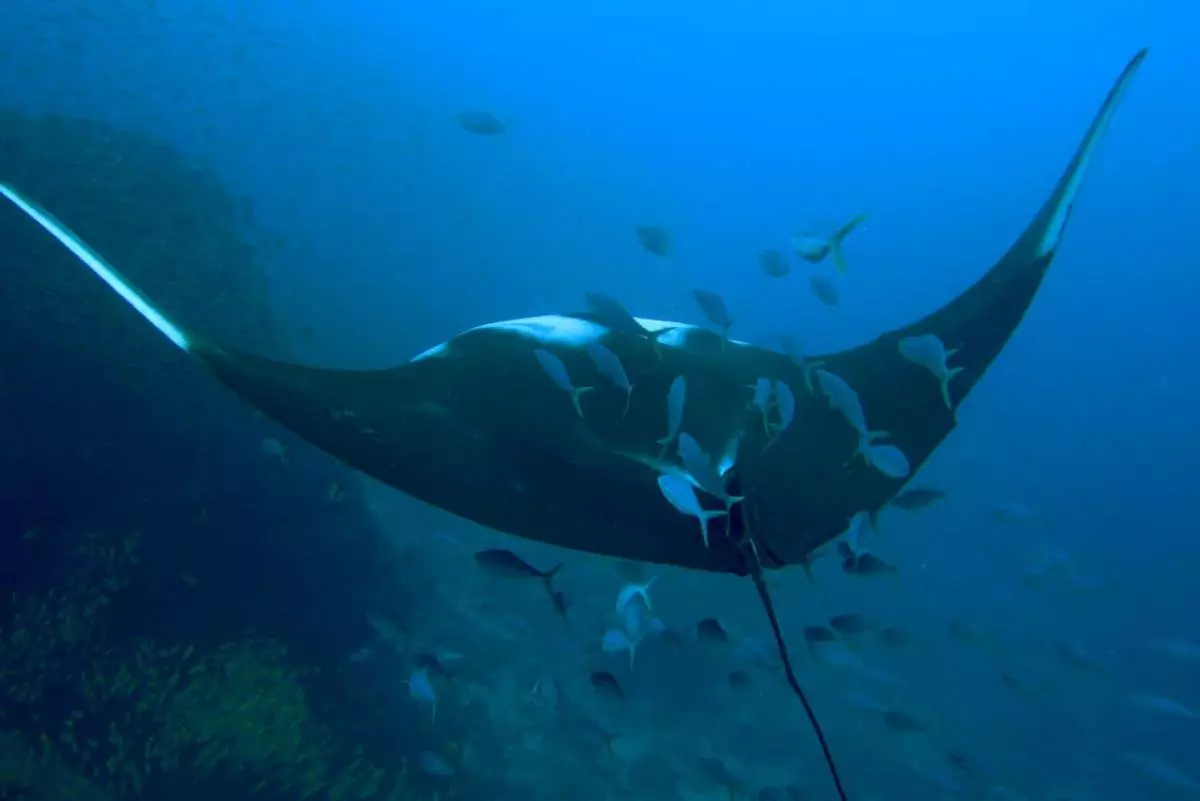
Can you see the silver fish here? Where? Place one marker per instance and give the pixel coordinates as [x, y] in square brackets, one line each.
[823, 289]
[421, 690]
[887, 459]
[1158, 768]
[631, 591]
[609, 365]
[654, 238]
[762, 400]
[714, 309]
[773, 263]
[928, 351]
[1163, 706]
[701, 469]
[675, 400]
[813, 248]
[843, 398]
[557, 372]
[434, 765]
[794, 350]
[481, 123]
[785, 405]
[682, 495]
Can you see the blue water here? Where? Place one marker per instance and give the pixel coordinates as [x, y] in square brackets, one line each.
[391, 229]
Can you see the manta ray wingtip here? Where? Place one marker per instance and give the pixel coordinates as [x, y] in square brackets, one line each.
[96, 263]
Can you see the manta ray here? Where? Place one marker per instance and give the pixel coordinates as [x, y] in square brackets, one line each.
[476, 427]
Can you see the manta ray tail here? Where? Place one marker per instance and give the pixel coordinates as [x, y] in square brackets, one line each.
[739, 530]
[96, 263]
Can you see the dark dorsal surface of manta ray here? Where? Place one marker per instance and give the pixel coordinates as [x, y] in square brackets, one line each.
[477, 427]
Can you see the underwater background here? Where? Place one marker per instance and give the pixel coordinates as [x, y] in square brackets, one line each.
[199, 605]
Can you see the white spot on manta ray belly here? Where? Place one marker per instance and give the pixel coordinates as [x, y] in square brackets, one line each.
[98, 265]
[572, 332]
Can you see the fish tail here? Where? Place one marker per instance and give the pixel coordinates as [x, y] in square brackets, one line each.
[953, 371]
[839, 258]
[576, 394]
[864, 441]
[548, 577]
[628, 400]
[839, 236]
[704, 518]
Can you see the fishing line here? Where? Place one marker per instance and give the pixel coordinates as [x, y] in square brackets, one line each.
[739, 528]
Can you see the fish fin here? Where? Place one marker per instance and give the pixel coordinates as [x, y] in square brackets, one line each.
[628, 400]
[808, 572]
[808, 369]
[839, 236]
[657, 346]
[864, 442]
[953, 371]
[873, 516]
[548, 577]
[576, 394]
[705, 516]
[839, 258]
[103, 270]
[632, 654]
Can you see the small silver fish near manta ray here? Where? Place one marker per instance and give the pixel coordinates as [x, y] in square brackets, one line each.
[590, 481]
